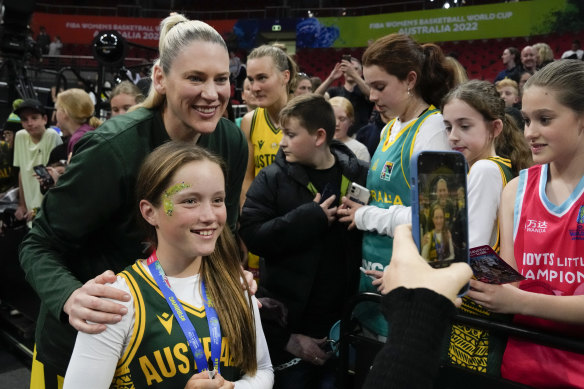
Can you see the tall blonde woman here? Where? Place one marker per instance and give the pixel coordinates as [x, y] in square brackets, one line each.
[271, 74]
[87, 231]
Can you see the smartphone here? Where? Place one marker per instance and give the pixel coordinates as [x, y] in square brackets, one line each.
[43, 173]
[439, 207]
[347, 57]
[359, 194]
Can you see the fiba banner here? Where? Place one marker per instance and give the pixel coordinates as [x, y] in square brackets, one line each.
[501, 20]
[83, 28]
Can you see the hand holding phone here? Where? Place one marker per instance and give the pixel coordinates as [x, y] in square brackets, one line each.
[45, 179]
[439, 223]
[359, 194]
[409, 270]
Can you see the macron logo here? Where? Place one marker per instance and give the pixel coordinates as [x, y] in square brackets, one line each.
[166, 321]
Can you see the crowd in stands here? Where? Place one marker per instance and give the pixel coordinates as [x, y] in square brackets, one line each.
[270, 191]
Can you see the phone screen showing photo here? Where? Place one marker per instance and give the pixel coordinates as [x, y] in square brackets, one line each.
[442, 207]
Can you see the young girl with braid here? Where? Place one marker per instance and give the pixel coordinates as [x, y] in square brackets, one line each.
[477, 126]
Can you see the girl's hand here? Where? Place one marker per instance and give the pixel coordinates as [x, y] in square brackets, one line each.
[426, 239]
[202, 381]
[496, 298]
[250, 281]
[346, 212]
[377, 277]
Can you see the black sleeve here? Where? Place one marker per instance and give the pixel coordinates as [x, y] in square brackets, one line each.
[410, 359]
[266, 232]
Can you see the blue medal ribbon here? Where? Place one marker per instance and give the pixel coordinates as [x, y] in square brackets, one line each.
[438, 246]
[185, 324]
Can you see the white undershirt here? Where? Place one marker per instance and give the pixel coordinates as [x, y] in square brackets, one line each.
[95, 357]
[431, 136]
[484, 196]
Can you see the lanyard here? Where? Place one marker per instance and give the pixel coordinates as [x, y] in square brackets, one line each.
[438, 246]
[185, 324]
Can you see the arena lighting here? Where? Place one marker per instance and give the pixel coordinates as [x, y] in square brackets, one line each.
[310, 14]
[446, 5]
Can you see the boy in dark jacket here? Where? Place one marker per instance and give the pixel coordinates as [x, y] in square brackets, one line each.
[311, 259]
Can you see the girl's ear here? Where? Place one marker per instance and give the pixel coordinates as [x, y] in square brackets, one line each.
[497, 127]
[581, 125]
[149, 212]
[411, 79]
[286, 76]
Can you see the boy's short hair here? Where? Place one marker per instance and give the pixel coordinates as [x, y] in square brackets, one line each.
[508, 82]
[313, 112]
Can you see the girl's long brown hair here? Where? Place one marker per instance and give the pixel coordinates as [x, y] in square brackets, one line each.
[484, 98]
[221, 271]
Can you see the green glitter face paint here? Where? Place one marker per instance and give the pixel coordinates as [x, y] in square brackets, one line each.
[166, 197]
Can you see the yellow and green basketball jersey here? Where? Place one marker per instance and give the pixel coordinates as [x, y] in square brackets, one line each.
[265, 138]
[158, 355]
[471, 347]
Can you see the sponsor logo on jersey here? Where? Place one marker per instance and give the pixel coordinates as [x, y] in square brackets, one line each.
[536, 226]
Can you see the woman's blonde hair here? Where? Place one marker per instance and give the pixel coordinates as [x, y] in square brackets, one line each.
[78, 105]
[460, 74]
[221, 270]
[128, 88]
[544, 52]
[281, 60]
[177, 32]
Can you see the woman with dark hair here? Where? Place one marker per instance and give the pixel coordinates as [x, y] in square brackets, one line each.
[407, 82]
